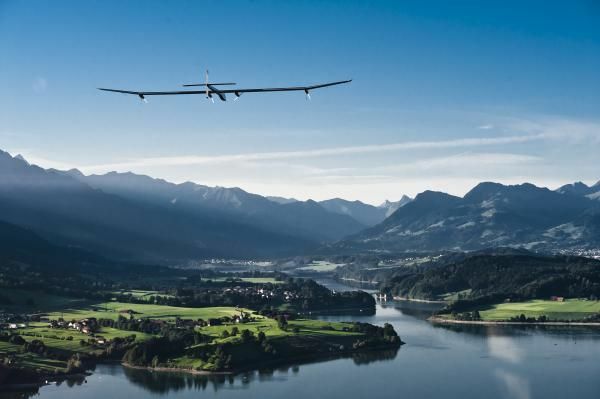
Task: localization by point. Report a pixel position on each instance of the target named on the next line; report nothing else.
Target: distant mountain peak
(391, 207)
(579, 189)
(75, 172)
(21, 158)
(430, 195)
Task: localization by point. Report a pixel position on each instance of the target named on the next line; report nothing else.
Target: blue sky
(445, 94)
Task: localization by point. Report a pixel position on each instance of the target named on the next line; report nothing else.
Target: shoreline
(405, 299)
(442, 320)
(358, 281)
(43, 381)
(176, 370)
(278, 362)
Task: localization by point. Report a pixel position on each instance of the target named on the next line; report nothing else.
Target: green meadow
(570, 309)
(31, 360)
(320, 266)
(112, 310)
(269, 327)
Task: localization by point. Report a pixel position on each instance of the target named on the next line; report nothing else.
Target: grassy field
(269, 327)
(139, 293)
(30, 360)
(571, 309)
(112, 310)
(320, 266)
(58, 338)
(261, 280)
(7, 347)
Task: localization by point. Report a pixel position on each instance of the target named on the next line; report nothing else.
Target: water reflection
(165, 382)
(29, 392)
(516, 386)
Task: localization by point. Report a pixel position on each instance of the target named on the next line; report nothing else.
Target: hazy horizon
(442, 96)
(266, 194)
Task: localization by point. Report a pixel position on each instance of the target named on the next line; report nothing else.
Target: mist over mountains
(139, 218)
(129, 216)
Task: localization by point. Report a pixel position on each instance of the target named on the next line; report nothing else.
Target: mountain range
(136, 217)
(490, 215)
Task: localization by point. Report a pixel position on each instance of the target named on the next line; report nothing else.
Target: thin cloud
(314, 153)
(566, 130)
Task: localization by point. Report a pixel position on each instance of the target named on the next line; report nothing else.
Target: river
(437, 362)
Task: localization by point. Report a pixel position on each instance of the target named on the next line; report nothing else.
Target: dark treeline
(193, 288)
(301, 294)
(486, 279)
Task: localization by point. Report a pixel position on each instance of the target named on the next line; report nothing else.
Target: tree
(261, 337)
(282, 322)
(246, 335)
(74, 364)
(16, 339)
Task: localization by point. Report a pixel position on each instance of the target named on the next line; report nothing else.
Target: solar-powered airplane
(211, 89)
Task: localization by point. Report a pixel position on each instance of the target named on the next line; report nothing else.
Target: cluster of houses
(243, 317)
(262, 292)
(12, 321)
(85, 326)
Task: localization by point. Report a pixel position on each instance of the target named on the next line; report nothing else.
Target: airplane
(211, 90)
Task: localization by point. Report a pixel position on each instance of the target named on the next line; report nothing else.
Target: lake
(437, 362)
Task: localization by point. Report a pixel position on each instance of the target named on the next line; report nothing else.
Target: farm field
(112, 310)
(31, 360)
(320, 266)
(571, 309)
(141, 294)
(68, 339)
(270, 328)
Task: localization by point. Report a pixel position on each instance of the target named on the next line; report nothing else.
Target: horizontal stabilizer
(206, 84)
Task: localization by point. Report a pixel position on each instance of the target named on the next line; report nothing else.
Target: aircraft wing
(294, 88)
(154, 93)
(142, 94)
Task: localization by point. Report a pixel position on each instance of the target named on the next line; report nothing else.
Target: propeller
(237, 95)
(307, 95)
(141, 96)
(207, 89)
